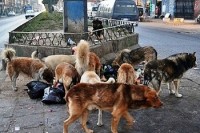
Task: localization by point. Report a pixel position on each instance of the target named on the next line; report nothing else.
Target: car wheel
(198, 20)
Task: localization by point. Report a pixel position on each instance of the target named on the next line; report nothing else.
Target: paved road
(19, 112)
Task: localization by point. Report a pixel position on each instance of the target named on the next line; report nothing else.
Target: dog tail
(110, 80)
(8, 54)
(155, 54)
(34, 54)
(126, 74)
(82, 56)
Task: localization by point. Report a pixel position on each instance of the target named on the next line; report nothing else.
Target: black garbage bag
(109, 71)
(54, 95)
(36, 89)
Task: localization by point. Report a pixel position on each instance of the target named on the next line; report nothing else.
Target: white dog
(92, 78)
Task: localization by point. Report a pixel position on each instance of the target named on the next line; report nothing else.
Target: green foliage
(49, 1)
(45, 22)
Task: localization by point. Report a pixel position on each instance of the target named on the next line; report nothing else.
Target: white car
(91, 10)
(11, 13)
(29, 13)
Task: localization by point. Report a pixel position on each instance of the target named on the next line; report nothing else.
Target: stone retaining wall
(101, 50)
(104, 51)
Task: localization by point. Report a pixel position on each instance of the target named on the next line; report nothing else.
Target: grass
(45, 22)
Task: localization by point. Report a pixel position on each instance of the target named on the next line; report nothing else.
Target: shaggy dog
(126, 74)
(86, 60)
(67, 74)
(169, 70)
(92, 78)
(136, 56)
(26, 65)
(97, 25)
(114, 97)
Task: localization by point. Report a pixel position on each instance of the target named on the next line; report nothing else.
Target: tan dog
(117, 98)
(135, 56)
(53, 60)
(126, 74)
(26, 65)
(86, 60)
(92, 78)
(67, 74)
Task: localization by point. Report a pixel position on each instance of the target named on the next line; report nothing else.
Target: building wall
(167, 6)
(196, 8)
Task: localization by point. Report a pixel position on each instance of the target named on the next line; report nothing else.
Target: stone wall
(105, 51)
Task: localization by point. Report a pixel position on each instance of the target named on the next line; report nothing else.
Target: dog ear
(135, 95)
(194, 53)
(125, 56)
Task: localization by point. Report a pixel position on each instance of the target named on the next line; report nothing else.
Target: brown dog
(92, 78)
(135, 56)
(115, 97)
(67, 74)
(33, 68)
(126, 74)
(86, 60)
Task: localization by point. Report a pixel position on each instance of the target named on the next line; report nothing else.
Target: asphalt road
(169, 39)
(18, 113)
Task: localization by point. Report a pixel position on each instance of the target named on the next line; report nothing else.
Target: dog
(169, 70)
(126, 74)
(86, 60)
(67, 74)
(117, 98)
(98, 28)
(92, 78)
(53, 60)
(26, 65)
(135, 56)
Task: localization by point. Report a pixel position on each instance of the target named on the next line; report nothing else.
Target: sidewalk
(189, 26)
(20, 114)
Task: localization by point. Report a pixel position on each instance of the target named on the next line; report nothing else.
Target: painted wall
(75, 16)
(168, 7)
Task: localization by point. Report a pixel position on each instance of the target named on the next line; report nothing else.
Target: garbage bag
(54, 95)
(36, 89)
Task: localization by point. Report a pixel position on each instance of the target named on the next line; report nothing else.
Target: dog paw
(171, 92)
(89, 131)
(179, 95)
(130, 124)
(15, 88)
(99, 124)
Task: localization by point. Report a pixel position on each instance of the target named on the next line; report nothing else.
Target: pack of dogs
(85, 90)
